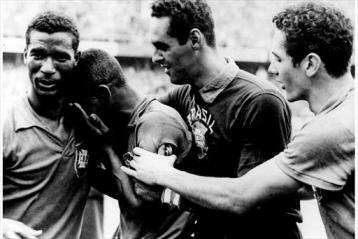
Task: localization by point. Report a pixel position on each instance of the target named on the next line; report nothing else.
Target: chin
(52, 94)
(177, 81)
(292, 98)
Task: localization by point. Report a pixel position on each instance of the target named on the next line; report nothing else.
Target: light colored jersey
(45, 180)
(322, 155)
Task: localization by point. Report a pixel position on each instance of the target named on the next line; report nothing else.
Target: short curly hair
(51, 22)
(320, 29)
(186, 15)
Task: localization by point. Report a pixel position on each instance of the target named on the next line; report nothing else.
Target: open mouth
(166, 68)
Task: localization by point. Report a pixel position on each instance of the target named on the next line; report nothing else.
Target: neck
(125, 98)
(48, 107)
(210, 64)
(324, 88)
(122, 104)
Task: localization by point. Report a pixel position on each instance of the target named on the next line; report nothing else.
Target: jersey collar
(211, 90)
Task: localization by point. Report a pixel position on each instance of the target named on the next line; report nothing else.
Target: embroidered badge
(81, 160)
(201, 123)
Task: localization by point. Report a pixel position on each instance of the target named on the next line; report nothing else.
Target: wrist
(166, 176)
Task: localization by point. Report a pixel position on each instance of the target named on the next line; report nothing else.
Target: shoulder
(247, 87)
(329, 129)
(162, 115)
(12, 113)
(321, 154)
(179, 93)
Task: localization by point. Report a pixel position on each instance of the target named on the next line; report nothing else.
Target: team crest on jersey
(201, 123)
(81, 160)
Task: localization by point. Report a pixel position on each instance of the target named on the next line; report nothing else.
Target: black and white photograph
(178, 119)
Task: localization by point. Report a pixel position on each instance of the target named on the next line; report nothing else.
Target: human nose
(272, 69)
(48, 66)
(157, 57)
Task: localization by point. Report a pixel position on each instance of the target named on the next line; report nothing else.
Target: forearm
(122, 181)
(223, 194)
(237, 195)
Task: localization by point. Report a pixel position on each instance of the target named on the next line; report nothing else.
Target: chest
(36, 155)
(215, 148)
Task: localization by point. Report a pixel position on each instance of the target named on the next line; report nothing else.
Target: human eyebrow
(160, 46)
(62, 55)
(37, 50)
(276, 56)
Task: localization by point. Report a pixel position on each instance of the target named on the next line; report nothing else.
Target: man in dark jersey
(133, 121)
(237, 120)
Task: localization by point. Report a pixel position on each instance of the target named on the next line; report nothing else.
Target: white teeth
(166, 70)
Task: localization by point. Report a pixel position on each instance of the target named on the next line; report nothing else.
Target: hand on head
(97, 130)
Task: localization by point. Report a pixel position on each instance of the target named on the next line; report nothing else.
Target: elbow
(236, 202)
(237, 205)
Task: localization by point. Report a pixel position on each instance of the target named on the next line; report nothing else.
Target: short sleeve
(321, 155)
(156, 128)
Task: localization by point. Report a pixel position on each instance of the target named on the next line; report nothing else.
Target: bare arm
(238, 195)
(116, 183)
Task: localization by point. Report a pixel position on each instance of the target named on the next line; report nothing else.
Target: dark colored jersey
(152, 126)
(237, 122)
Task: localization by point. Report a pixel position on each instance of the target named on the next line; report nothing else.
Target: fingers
(93, 122)
(141, 155)
(98, 123)
(79, 108)
(138, 151)
(129, 171)
(29, 233)
(11, 235)
(13, 229)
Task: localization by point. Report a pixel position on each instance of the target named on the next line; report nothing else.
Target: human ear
(25, 55)
(77, 57)
(103, 93)
(195, 38)
(312, 64)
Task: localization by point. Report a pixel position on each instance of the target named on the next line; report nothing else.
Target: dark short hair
(97, 67)
(94, 67)
(319, 29)
(184, 16)
(51, 22)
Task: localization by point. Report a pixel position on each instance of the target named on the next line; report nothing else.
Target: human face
(50, 59)
(177, 60)
(291, 78)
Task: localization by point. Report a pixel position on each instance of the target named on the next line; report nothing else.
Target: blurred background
(243, 29)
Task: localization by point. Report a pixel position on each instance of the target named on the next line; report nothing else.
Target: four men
(241, 178)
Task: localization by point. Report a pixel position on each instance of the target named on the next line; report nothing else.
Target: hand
(93, 123)
(17, 230)
(148, 166)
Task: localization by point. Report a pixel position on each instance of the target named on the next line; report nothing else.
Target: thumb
(171, 159)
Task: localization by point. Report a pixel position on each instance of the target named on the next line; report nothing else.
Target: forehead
(159, 29)
(57, 39)
(278, 41)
